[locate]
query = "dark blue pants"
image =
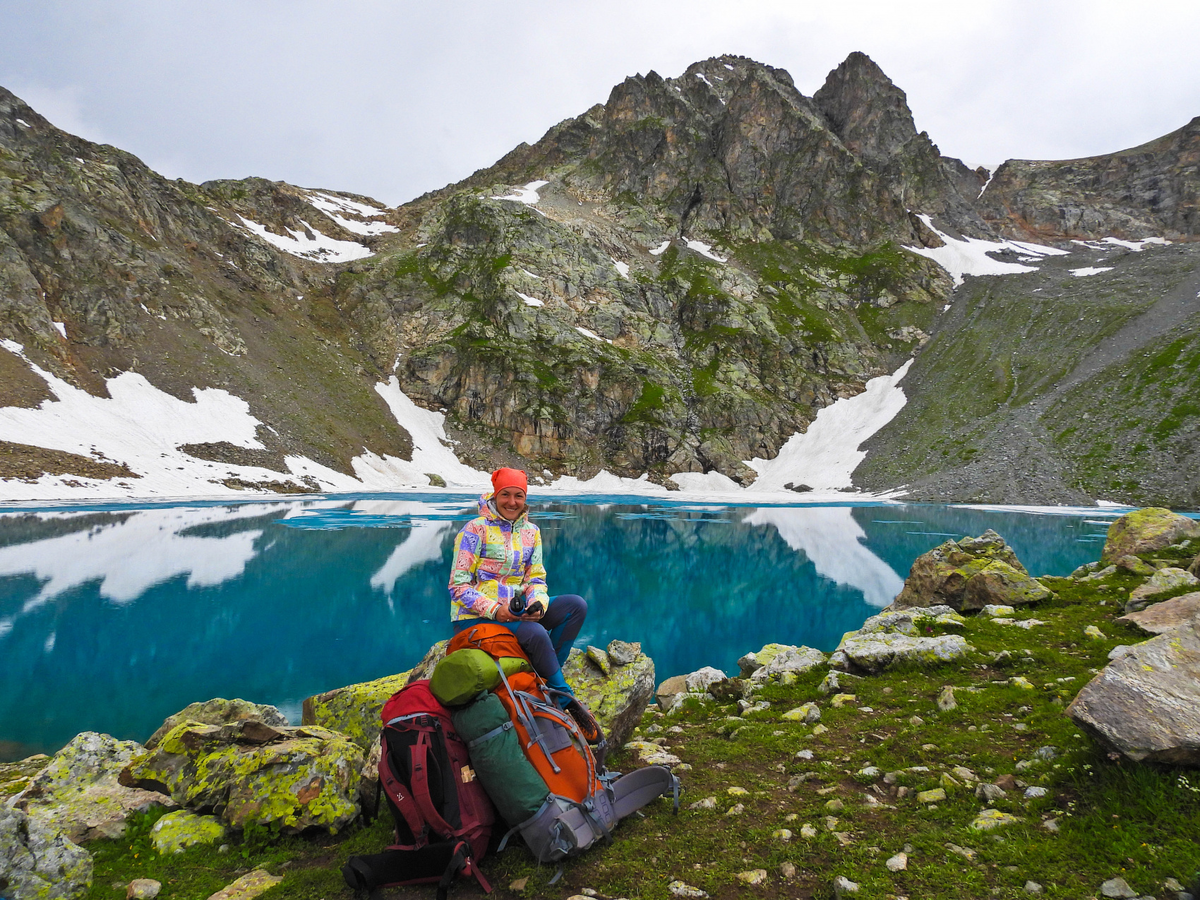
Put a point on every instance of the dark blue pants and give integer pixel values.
(548, 641)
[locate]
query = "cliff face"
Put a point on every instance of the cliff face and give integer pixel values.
(676, 280)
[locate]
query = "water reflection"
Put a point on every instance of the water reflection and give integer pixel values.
(114, 616)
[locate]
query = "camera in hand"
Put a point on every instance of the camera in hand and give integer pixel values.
(517, 606)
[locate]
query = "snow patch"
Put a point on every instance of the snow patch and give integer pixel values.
(432, 450)
(531, 275)
(1090, 270)
(23, 122)
(825, 456)
(1135, 246)
(527, 194)
(333, 206)
(969, 256)
(319, 247)
(62, 328)
(531, 301)
(704, 250)
(591, 334)
(661, 248)
(622, 267)
(991, 175)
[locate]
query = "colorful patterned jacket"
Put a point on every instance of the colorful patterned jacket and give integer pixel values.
(493, 560)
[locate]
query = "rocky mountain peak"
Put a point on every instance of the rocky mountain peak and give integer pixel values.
(865, 109)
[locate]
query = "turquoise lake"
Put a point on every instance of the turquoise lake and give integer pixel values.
(114, 616)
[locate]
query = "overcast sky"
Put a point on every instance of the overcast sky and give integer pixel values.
(391, 98)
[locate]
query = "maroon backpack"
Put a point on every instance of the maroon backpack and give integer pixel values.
(443, 815)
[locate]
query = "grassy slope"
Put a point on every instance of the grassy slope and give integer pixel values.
(1113, 817)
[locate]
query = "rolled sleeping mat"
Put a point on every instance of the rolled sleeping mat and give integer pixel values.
(464, 674)
(499, 761)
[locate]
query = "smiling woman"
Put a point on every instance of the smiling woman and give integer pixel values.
(497, 574)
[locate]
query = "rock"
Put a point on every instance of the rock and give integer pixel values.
(990, 819)
(1094, 633)
(837, 701)
(700, 680)
(897, 863)
(1159, 618)
(945, 700)
(834, 806)
(999, 584)
(876, 652)
(798, 488)
(787, 869)
(79, 793)
(843, 886)
(1146, 704)
(808, 714)
(808, 832)
(651, 754)
(1134, 566)
(1020, 681)
(354, 709)
(1194, 568)
(1117, 888)
(940, 576)
(992, 611)
(143, 889)
(1146, 530)
(1033, 793)
(248, 886)
(435, 480)
(753, 877)
(1166, 579)
(176, 831)
(1032, 887)
(619, 699)
(937, 795)
(519, 884)
(38, 860)
(669, 689)
(293, 777)
(782, 834)
(706, 803)
(778, 660)
(623, 653)
(681, 889)
(1006, 782)
(15, 776)
(219, 711)
(600, 660)
(989, 793)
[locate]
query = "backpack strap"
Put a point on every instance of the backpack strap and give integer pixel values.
(408, 808)
(420, 787)
(461, 862)
(633, 791)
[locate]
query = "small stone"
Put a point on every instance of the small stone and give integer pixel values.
(964, 852)
(1051, 825)
(1172, 884)
(830, 823)
(937, 795)
(869, 772)
(949, 783)
(787, 870)
(992, 818)
(1094, 633)
(623, 653)
(897, 863)
(782, 834)
(1045, 753)
(945, 700)
(843, 886)
(706, 803)
(736, 791)
(143, 889)
(834, 806)
(1117, 888)
(808, 714)
(844, 838)
(902, 792)
(680, 889)
(989, 793)
(600, 660)
(754, 876)
(804, 754)
(916, 721)
(964, 773)
(1032, 887)
(1032, 793)
(1020, 681)
(248, 886)
(519, 884)
(808, 832)
(819, 730)
(791, 817)
(840, 700)
(929, 748)
(735, 810)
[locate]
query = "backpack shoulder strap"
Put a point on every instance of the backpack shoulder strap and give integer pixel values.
(633, 791)
(420, 787)
(395, 790)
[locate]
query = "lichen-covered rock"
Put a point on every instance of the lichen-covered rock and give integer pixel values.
(1146, 530)
(618, 699)
(219, 711)
(903, 621)
(648, 754)
(353, 710)
(1159, 618)
(15, 776)
(1146, 704)
(176, 831)
(248, 886)
(1168, 578)
(941, 576)
(999, 584)
(992, 818)
(78, 791)
(783, 659)
(876, 652)
(702, 679)
(247, 773)
(37, 860)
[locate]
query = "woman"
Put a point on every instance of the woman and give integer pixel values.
(497, 574)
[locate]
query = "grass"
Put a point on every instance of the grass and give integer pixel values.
(1102, 816)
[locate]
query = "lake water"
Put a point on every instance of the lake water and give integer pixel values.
(114, 616)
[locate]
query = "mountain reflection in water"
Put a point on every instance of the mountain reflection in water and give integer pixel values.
(114, 616)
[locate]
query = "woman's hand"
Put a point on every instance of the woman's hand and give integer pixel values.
(504, 615)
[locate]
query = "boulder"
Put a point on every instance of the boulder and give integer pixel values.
(1146, 530)
(617, 699)
(1146, 704)
(774, 660)
(943, 575)
(1159, 618)
(701, 680)
(219, 711)
(667, 691)
(37, 860)
(15, 776)
(78, 791)
(893, 637)
(1194, 568)
(1165, 579)
(248, 773)
(176, 831)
